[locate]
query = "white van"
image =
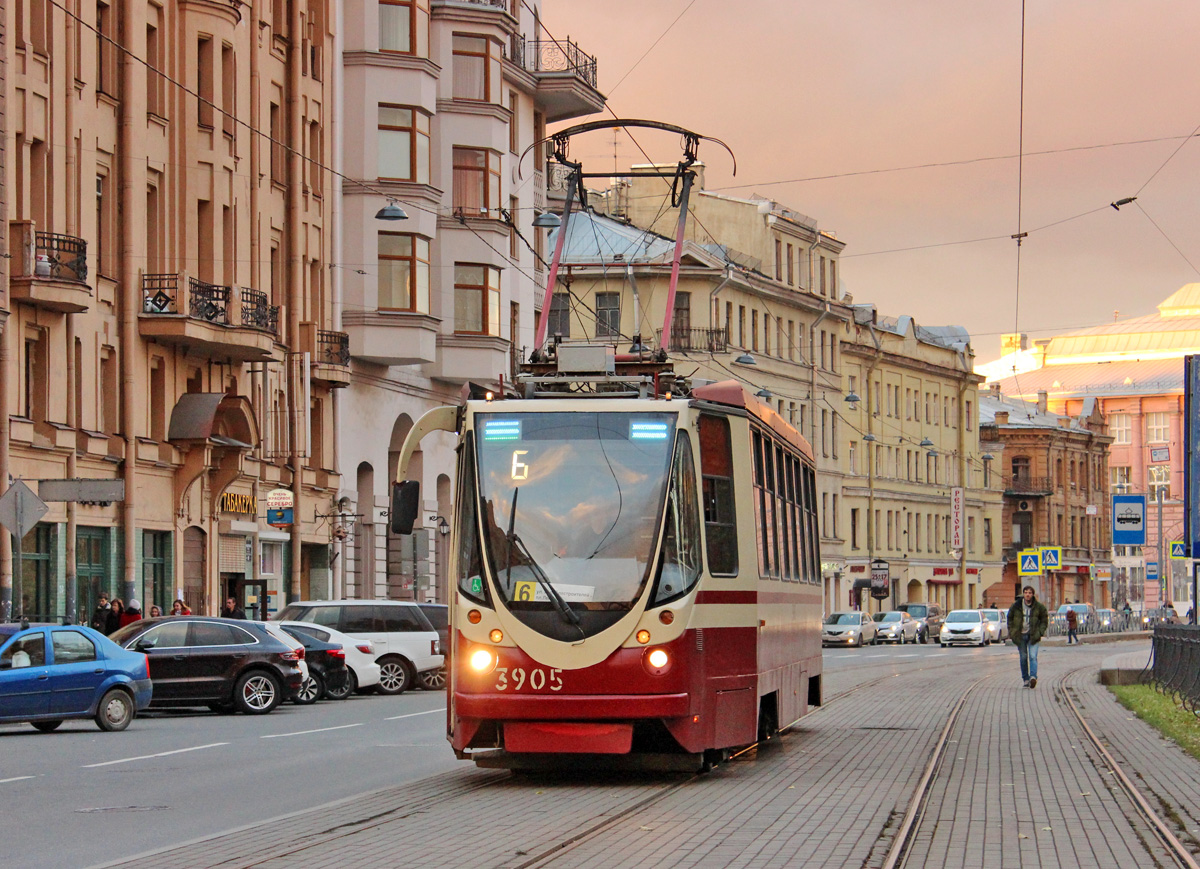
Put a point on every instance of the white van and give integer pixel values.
(406, 644)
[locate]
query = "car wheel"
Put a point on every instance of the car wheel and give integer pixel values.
(115, 710)
(343, 692)
(46, 726)
(433, 680)
(395, 677)
(310, 692)
(257, 692)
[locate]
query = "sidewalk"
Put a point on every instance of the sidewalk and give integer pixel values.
(1018, 788)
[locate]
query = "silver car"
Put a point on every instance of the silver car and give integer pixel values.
(997, 625)
(850, 628)
(965, 627)
(896, 627)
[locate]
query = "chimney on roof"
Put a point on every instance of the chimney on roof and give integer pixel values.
(1001, 417)
(1042, 400)
(995, 387)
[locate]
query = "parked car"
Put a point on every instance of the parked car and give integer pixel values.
(327, 677)
(850, 628)
(439, 616)
(895, 626)
(361, 669)
(406, 645)
(968, 627)
(997, 625)
(928, 616)
(53, 673)
(225, 664)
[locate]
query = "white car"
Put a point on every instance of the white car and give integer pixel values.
(969, 627)
(360, 653)
(896, 627)
(850, 628)
(997, 625)
(283, 637)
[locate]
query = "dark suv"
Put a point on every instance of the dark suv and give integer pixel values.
(929, 619)
(224, 664)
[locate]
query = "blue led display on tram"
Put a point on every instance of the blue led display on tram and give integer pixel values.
(648, 431)
(502, 430)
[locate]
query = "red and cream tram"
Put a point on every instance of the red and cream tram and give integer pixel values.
(633, 574)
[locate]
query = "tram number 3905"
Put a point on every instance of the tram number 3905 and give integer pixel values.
(534, 679)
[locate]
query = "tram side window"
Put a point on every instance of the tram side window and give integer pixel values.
(470, 564)
(795, 522)
(785, 515)
(681, 542)
(812, 531)
(761, 534)
(716, 472)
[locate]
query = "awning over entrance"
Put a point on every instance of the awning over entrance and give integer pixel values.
(223, 419)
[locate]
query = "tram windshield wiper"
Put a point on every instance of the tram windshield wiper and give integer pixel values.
(513, 539)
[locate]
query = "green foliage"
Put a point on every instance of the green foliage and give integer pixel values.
(1162, 713)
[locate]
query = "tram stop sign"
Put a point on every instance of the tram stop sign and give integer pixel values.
(880, 579)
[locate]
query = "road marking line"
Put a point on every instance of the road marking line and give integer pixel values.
(413, 714)
(152, 756)
(4, 781)
(303, 732)
(910, 655)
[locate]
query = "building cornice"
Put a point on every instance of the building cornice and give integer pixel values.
(391, 60)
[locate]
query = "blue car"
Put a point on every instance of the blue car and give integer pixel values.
(49, 673)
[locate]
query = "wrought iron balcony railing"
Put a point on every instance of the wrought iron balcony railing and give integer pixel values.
(62, 257)
(1028, 486)
(258, 312)
(333, 348)
(160, 294)
(547, 55)
(208, 302)
(706, 340)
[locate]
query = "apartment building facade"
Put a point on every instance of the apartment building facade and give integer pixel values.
(169, 227)
(918, 492)
(1054, 473)
(441, 101)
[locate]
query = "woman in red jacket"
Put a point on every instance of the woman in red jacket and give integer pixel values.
(132, 613)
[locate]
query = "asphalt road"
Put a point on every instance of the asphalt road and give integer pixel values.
(81, 797)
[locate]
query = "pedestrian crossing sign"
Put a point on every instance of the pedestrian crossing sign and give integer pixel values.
(1029, 562)
(1051, 557)
(1178, 550)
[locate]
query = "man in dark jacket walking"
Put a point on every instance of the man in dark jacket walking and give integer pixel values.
(100, 615)
(1027, 624)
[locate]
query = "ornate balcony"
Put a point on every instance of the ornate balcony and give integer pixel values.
(565, 75)
(700, 340)
(225, 322)
(1027, 487)
(329, 353)
(50, 270)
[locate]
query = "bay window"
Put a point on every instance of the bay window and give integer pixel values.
(476, 299)
(403, 272)
(403, 144)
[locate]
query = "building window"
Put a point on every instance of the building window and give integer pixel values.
(791, 340)
(476, 182)
(791, 263)
(1120, 428)
(476, 299)
(474, 75)
(403, 144)
(987, 536)
(514, 126)
(742, 326)
(271, 558)
(608, 315)
(853, 458)
(278, 154)
(778, 260)
(156, 588)
(560, 316)
(404, 26)
(155, 83)
(107, 75)
(1157, 428)
(1118, 480)
(1159, 480)
(37, 375)
(754, 331)
(403, 272)
(204, 81)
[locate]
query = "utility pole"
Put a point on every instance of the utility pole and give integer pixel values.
(1162, 573)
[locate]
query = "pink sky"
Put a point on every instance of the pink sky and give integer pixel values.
(806, 89)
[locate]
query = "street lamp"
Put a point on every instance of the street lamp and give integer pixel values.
(391, 211)
(745, 359)
(547, 220)
(852, 399)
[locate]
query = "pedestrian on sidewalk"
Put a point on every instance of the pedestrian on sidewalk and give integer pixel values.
(1027, 623)
(1072, 624)
(100, 616)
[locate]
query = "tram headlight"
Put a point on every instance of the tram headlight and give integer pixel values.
(643, 636)
(657, 661)
(482, 661)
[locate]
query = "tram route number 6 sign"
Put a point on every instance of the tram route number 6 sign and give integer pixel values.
(880, 579)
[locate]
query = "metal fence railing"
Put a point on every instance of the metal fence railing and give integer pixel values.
(1175, 664)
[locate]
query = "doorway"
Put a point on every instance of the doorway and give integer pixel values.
(250, 594)
(91, 568)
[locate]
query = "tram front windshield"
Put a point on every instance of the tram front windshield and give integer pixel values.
(570, 507)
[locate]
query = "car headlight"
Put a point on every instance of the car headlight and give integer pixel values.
(850, 632)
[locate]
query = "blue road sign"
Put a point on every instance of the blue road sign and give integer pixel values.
(1129, 520)
(1030, 563)
(1051, 557)
(1178, 549)
(1151, 570)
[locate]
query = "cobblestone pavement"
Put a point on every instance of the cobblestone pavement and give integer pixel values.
(829, 793)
